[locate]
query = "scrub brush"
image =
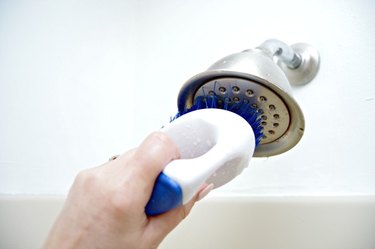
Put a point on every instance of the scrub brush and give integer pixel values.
(216, 138)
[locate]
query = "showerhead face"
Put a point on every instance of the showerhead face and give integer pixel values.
(270, 107)
(252, 77)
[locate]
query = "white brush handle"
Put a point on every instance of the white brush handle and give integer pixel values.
(215, 146)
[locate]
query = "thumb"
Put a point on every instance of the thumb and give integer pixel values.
(150, 158)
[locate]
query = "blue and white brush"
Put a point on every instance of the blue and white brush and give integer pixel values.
(216, 140)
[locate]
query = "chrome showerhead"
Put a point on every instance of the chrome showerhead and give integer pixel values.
(261, 77)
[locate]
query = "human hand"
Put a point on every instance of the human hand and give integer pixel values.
(105, 207)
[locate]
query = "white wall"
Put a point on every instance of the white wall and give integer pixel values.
(82, 81)
(67, 73)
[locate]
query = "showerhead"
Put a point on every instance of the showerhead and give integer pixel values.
(261, 77)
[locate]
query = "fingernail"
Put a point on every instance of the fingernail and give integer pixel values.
(204, 192)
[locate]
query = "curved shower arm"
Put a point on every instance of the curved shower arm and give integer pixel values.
(277, 48)
(300, 61)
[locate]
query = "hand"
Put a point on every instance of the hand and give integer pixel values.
(105, 205)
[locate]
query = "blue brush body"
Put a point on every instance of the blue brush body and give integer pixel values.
(241, 108)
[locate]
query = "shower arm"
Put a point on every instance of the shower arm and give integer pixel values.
(300, 61)
(280, 50)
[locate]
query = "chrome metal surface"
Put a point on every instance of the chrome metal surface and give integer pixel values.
(306, 72)
(286, 54)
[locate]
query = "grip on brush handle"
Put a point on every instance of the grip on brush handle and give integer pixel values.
(166, 195)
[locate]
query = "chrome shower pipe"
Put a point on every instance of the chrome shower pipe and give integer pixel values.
(279, 49)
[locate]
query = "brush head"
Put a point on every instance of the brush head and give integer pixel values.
(241, 108)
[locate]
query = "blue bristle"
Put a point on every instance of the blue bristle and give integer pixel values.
(244, 109)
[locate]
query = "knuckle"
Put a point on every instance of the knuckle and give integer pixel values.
(86, 179)
(165, 143)
(121, 203)
(160, 137)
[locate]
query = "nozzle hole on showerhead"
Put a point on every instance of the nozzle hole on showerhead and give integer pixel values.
(249, 92)
(262, 99)
(235, 89)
